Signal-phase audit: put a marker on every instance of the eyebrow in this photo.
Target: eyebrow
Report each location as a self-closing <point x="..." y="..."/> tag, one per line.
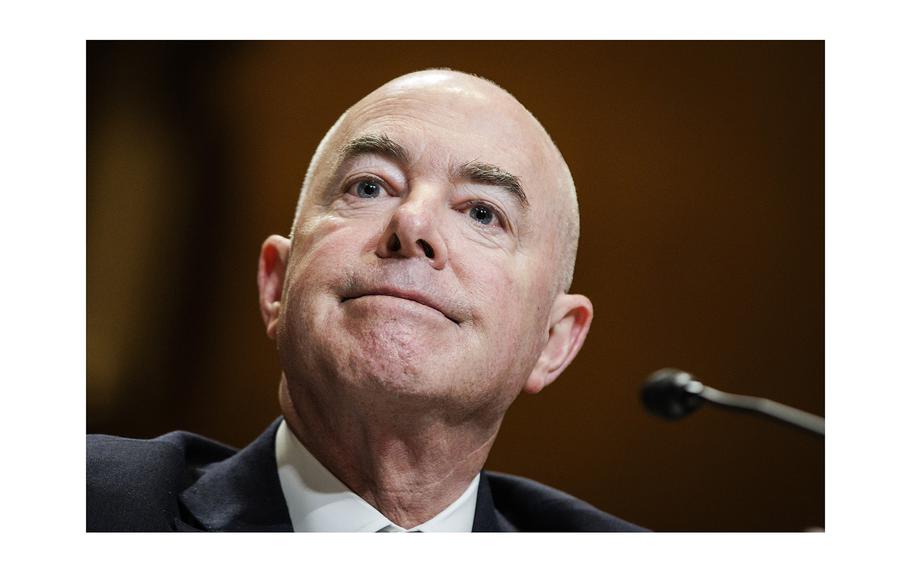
<point x="475" y="170"/>
<point x="374" y="144"/>
<point x="481" y="172"/>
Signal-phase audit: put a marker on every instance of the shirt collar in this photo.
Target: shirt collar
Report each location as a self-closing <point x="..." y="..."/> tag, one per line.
<point x="319" y="502"/>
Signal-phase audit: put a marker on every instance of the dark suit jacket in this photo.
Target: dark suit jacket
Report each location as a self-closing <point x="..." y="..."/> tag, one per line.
<point x="184" y="482"/>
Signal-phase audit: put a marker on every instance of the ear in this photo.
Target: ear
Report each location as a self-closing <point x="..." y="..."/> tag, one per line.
<point x="570" y="320"/>
<point x="273" y="261"/>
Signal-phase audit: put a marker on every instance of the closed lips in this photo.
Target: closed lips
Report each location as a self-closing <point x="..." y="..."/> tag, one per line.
<point x="411" y="295"/>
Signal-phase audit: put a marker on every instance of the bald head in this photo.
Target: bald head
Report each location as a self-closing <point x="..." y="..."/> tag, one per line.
<point x="420" y="97"/>
<point x="430" y="257"/>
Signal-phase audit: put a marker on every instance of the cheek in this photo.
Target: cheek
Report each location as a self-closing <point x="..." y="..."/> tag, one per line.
<point x="323" y="252"/>
<point x="511" y="310"/>
<point x="512" y="331"/>
<point x="328" y="244"/>
<point x="320" y="231"/>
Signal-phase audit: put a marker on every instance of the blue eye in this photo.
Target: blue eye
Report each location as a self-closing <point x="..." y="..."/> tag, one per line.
<point x="367" y="189"/>
<point x="482" y="214"/>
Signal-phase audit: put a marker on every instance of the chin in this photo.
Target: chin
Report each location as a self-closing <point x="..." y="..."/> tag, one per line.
<point x="390" y="362"/>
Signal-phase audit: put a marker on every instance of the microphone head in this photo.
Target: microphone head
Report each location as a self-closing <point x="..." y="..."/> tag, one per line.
<point x="671" y="394"/>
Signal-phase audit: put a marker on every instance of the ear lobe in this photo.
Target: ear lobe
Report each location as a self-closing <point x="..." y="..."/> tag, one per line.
<point x="273" y="259"/>
<point x="570" y="320"/>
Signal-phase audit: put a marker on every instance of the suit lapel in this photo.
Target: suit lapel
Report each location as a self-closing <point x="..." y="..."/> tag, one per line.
<point x="486" y="517"/>
<point x="241" y="493"/>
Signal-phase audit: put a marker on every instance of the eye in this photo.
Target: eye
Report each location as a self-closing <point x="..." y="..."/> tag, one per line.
<point x="367" y="189"/>
<point x="482" y="214"/>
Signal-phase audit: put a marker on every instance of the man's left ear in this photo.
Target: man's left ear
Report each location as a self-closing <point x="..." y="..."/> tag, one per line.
<point x="570" y="320"/>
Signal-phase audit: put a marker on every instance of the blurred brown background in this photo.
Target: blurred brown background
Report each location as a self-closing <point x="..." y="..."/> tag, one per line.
<point x="699" y="168"/>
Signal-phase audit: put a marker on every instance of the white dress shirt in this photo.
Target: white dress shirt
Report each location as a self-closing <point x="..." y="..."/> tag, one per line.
<point x="318" y="502"/>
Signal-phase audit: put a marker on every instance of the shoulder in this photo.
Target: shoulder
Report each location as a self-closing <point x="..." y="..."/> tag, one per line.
<point x="533" y="506"/>
<point x="133" y="485"/>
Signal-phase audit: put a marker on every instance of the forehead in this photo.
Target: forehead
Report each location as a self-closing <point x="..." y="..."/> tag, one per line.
<point x="443" y="125"/>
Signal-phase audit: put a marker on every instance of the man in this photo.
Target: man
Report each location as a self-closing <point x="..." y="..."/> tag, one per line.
<point x="424" y="286"/>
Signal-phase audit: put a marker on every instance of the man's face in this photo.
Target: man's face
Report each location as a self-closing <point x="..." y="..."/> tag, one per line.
<point x="417" y="270"/>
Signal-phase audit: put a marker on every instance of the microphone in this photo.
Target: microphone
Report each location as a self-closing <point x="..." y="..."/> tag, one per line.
<point x="672" y="394"/>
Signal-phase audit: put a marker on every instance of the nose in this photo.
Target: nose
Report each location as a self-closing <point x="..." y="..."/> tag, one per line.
<point x="413" y="232"/>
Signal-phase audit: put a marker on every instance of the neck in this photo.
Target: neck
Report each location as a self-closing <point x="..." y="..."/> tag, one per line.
<point x="407" y="465"/>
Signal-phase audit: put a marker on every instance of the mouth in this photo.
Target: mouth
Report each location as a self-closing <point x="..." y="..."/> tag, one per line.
<point x="409" y="295"/>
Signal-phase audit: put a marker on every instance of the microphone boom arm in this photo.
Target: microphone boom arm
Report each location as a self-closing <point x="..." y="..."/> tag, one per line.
<point x="770" y="408"/>
<point x="672" y="394"/>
